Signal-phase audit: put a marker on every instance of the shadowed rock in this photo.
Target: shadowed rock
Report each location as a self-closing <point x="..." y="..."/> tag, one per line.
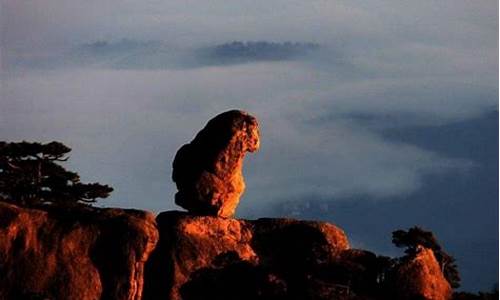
<point x="208" y="171"/>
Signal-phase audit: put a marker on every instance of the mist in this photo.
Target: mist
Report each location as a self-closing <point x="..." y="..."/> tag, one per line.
<point x="126" y="84"/>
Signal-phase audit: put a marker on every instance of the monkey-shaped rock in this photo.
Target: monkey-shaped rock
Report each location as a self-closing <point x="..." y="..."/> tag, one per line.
<point x="208" y="171"/>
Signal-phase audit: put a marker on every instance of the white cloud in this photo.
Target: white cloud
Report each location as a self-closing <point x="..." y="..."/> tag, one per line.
<point x="125" y="127"/>
<point x="421" y="63"/>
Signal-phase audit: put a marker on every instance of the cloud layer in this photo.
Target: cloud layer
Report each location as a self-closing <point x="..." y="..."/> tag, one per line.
<point x="336" y="124"/>
<point x="126" y="125"/>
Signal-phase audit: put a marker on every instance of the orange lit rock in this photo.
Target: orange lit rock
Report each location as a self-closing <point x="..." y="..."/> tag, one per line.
<point x="421" y="278"/>
<point x="208" y="171"/>
<point x="73" y="254"/>
<point x="205" y="257"/>
<point x="120" y="254"/>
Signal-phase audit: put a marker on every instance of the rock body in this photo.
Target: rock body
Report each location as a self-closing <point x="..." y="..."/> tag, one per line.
<point x="120" y="254"/>
<point x="421" y="278"/>
<point x="206" y="257"/>
<point x="208" y="171"/>
<point x="92" y="254"/>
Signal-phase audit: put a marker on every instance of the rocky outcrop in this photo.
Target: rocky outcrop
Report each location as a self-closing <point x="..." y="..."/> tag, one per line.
<point x="76" y="254"/>
<point x="208" y="171"/>
<point x="51" y="253"/>
<point x="420" y="277"/>
<point x="207" y="257"/>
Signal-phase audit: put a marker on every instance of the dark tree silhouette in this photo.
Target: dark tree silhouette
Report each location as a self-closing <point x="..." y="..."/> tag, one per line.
<point x="416" y="236"/>
<point x="30" y="175"/>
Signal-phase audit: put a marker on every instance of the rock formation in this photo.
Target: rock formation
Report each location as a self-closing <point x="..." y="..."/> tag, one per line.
<point x="208" y="171"/>
<point x="74" y="255"/>
<point x="421" y="278"/>
<point x="205" y="257"/>
<point x="51" y="254"/>
<point x="88" y="253"/>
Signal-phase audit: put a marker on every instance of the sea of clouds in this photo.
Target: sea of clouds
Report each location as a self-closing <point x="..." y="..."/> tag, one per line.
<point x="380" y="65"/>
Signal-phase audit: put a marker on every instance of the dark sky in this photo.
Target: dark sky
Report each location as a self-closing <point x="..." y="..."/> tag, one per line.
<point x="390" y="121"/>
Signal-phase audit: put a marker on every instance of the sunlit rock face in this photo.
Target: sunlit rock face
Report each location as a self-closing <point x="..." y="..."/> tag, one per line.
<point x="205" y="257"/>
<point x="421" y="278"/>
<point x="208" y="171"/>
<point x="75" y="254"/>
<point x="120" y="254"/>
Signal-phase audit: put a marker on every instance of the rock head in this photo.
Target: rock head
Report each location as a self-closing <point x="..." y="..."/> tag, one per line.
<point x="208" y="171"/>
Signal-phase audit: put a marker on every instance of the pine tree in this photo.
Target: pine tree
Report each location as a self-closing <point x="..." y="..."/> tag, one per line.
<point x="31" y="174"/>
<point x="415" y="237"/>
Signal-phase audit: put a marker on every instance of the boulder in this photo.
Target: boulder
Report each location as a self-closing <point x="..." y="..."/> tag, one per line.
<point x="205" y="257"/>
<point x="85" y="253"/>
<point x="208" y="171"/>
<point x="420" y="277"/>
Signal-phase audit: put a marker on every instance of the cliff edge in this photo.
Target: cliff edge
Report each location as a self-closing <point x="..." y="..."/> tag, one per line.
<point x="50" y="253"/>
<point x="79" y="254"/>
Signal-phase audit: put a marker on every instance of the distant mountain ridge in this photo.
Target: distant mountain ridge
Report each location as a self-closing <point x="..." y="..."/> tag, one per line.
<point x="243" y="52"/>
<point x="157" y="55"/>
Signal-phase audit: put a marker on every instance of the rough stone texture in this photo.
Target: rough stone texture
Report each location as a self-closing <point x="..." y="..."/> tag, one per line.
<point x="421" y="278"/>
<point x="90" y="253"/>
<point x="78" y="254"/>
<point x="205" y="257"/>
<point x="208" y="171"/>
